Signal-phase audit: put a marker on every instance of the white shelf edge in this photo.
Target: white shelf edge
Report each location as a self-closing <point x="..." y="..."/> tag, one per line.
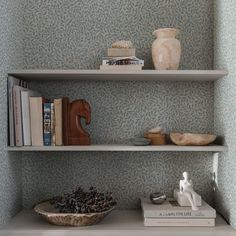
<point x="143" y="75"/>
<point x="119" y="222"/>
<point x="123" y="148"/>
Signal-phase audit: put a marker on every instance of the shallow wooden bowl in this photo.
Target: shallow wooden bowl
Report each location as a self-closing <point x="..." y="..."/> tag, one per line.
<point x="47" y="211"/>
<point x="189" y="139"/>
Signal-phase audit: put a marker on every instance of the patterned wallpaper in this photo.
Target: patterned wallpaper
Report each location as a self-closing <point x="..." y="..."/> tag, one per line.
<point x="75" y="34"/>
<point x="225" y="103"/>
<point x="11" y="57"/>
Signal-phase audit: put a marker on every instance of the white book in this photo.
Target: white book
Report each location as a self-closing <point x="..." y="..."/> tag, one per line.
<point x="171" y="209"/>
<point x="25" y="108"/>
<point x="18" y="114"/>
<point x="36" y="120"/>
<point x="11" y="126"/>
<point x="184" y="222"/>
<point x="121" y="67"/>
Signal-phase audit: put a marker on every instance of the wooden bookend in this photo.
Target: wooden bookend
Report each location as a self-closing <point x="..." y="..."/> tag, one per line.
<point x="73" y="132"/>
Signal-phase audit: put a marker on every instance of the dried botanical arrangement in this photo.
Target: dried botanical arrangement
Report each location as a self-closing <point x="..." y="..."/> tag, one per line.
<point x="80" y="201"/>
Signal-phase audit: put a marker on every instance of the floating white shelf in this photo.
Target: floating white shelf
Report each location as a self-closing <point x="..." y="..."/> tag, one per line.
<point x="123" y="148"/>
<point x="127" y="223"/>
<point x="144" y="75"/>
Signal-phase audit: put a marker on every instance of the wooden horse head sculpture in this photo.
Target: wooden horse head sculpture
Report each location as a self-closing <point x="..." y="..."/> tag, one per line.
<point x="76" y="110"/>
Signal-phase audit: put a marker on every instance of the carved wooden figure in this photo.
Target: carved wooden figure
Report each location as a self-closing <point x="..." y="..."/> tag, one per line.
<point x="74" y="132"/>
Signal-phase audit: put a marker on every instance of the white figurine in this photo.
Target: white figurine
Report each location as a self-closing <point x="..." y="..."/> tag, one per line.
<point x="186" y="196"/>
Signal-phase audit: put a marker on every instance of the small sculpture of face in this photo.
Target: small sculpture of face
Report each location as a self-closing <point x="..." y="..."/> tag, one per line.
<point x="185" y="175"/>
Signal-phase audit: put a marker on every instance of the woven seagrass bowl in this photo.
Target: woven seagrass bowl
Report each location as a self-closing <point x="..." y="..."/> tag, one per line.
<point x="48" y="212"/>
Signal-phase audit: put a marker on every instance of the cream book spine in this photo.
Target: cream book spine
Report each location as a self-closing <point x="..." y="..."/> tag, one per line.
<point x="120" y="52"/>
<point x="184" y="222"/>
<point x="18" y="114"/>
<point x="36" y="120"/>
<point x="58" y="121"/>
<point x="25" y="108"/>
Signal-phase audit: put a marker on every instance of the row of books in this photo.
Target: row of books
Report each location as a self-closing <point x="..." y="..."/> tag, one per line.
<point x="33" y="120"/>
<point x="171" y="214"/>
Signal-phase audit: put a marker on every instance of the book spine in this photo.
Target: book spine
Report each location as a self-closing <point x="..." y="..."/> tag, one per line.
<point x="58" y="121"/>
<point x="109" y="62"/>
<point x="207" y="222"/>
<point x="120" y="52"/>
<point x="25" y="118"/>
<point x="121" y="67"/>
<point x="47" y="124"/>
<point x="36" y="120"/>
<point x="180" y="214"/>
<point x="11" y="127"/>
<point x="65" y="120"/>
<point x="53" y="136"/>
<point x="17" y="116"/>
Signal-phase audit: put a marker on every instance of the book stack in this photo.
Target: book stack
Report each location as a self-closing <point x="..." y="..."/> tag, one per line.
<point x="171" y="214"/>
<point x="33" y="120"/>
<point x="121" y="59"/>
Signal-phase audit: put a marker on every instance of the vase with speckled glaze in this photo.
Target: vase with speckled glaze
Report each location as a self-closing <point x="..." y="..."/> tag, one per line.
<point x="166" y="49"/>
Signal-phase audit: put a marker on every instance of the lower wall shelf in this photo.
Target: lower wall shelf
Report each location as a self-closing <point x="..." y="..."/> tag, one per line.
<point x="123" y="148"/>
<point x="119" y="222"/>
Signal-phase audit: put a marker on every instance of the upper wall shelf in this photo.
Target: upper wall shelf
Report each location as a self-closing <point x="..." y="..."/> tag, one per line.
<point x="122" y="148"/>
<point x="144" y="75"/>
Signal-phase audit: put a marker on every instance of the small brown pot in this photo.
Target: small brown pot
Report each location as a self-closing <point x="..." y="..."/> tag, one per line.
<point x="156" y="139"/>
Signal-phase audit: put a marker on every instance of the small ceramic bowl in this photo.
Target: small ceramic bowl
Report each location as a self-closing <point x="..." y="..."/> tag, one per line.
<point x="141" y="141"/>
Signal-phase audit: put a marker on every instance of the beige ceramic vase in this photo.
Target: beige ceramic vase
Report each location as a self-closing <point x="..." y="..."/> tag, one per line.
<point x="166" y="49"/>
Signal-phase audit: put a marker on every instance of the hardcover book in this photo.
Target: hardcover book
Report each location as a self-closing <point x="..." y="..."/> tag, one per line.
<point x="17" y="114"/>
<point x="36" y="120"/>
<point x="25" y="108"/>
<point x="53" y="138"/>
<point x="47" y="124"/>
<point x="121" y="67"/>
<point x="11" y="126"/>
<point x="171" y="209"/>
<point x="58" y="121"/>
<point x="121" y="61"/>
<point x="65" y="120"/>
<point x="184" y="222"/>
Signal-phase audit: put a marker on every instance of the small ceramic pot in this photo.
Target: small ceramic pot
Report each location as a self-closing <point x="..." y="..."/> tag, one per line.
<point x="157" y="198"/>
<point x="156" y="139"/>
<point x="166" y="49"/>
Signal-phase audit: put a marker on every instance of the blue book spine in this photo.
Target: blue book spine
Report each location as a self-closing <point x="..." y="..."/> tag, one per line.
<point x="47" y="124"/>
